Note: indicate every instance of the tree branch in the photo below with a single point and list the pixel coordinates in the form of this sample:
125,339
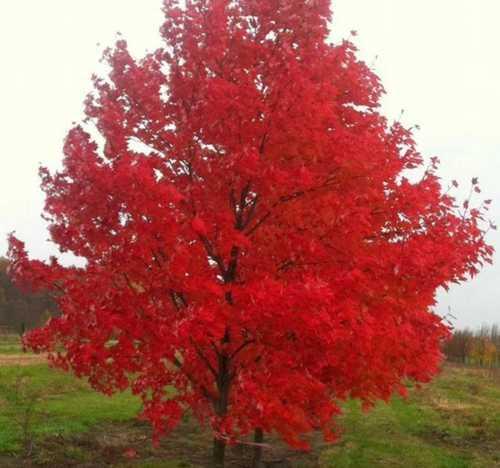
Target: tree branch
240,348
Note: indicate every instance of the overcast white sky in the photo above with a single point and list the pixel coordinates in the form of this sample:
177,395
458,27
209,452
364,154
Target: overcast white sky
438,60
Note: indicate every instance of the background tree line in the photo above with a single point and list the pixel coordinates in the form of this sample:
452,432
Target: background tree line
479,347
20,310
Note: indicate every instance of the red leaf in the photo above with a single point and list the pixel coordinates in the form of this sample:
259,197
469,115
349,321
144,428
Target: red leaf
199,226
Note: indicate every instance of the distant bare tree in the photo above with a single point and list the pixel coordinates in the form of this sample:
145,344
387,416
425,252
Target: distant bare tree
20,310
480,347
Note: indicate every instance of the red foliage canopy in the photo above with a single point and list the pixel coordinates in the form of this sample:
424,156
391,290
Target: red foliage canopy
251,233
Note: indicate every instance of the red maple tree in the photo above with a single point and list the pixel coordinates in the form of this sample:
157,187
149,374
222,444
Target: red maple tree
252,232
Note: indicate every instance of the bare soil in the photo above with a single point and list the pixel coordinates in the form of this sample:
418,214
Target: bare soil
129,445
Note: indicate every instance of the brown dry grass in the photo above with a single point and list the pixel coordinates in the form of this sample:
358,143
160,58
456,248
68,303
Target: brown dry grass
22,359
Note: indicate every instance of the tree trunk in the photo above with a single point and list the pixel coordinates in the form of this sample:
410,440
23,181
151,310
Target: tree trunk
257,449
219,452
220,407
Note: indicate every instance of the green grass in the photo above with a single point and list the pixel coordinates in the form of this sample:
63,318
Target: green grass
10,344
63,404
452,423
10,349
390,436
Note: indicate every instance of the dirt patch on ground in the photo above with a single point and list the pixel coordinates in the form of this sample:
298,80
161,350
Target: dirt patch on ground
22,359
445,404
129,445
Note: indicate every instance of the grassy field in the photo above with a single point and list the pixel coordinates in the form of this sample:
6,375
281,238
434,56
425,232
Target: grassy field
9,344
452,423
